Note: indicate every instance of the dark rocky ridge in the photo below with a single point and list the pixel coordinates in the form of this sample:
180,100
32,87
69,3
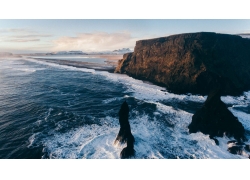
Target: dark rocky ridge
216,120
192,63
125,135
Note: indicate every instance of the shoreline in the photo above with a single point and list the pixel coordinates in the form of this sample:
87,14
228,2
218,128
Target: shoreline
77,64
110,60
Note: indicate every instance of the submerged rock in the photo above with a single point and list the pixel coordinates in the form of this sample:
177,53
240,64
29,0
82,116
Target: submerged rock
236,150
238,147
192,63
125,135
215,140
232,141
216,120
247,147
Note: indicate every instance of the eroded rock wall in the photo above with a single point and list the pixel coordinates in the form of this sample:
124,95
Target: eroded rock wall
192,63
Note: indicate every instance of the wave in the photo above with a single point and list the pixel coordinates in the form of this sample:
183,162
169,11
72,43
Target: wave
145,91
17,66
61,66
154,139
160,132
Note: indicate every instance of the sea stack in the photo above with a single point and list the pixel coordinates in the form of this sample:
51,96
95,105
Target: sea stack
192,62
216,120
125,135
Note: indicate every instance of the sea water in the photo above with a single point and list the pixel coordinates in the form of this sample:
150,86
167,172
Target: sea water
76,58
49,110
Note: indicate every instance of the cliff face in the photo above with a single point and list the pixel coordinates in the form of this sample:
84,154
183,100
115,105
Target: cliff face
192,63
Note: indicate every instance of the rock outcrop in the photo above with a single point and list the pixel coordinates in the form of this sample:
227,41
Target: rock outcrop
239,148
216,120
125,134
192,62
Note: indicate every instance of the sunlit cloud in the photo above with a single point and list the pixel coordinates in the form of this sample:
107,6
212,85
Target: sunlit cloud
99,41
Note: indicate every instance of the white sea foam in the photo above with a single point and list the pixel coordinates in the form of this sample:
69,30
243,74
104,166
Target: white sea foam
140,90
106,101
48,114
62,57
61,66
243,117
34,140
146,91
17,67
153,138
90,141
238,100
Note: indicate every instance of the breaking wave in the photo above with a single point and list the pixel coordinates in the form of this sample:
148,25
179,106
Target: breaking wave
74,114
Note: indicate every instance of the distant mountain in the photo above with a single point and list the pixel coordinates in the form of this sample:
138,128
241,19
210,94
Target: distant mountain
67,53
244,35
37,54
9,55
119,51
122,51
4,54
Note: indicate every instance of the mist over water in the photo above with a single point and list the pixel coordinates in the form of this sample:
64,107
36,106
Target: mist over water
49,110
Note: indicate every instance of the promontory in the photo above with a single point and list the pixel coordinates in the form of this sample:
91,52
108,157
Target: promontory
192,62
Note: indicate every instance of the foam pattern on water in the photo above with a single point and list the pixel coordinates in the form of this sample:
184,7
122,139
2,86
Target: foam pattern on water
17,67
61,66
162,133
168,138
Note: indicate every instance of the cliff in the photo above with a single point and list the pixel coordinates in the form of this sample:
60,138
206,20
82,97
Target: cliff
192,63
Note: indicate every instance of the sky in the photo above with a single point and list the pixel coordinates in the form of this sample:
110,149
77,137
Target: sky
88,35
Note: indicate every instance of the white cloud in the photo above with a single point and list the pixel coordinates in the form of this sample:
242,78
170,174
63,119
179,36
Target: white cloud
99,41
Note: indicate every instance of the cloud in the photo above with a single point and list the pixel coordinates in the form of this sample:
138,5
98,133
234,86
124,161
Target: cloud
21,35
16,30
21,40
99,41
32,36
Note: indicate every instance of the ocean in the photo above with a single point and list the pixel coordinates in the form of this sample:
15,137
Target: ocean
58,109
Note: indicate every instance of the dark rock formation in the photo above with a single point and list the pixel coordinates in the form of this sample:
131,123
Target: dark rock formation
236,150
215,140
247,147
215,119
236,143
238,147
232,141
192,62
125,134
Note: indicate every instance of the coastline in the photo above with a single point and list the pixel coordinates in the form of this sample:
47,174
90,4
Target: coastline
110,60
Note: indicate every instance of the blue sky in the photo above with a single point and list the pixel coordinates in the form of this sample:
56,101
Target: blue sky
25,36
